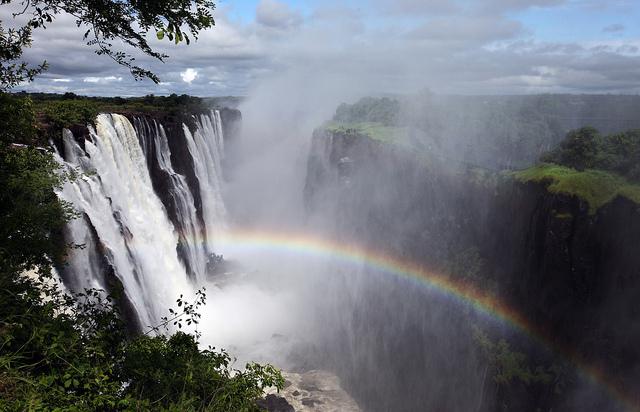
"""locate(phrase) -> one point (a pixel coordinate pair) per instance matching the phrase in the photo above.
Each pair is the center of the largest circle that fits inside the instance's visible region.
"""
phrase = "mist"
(394, 343)
(406, 132)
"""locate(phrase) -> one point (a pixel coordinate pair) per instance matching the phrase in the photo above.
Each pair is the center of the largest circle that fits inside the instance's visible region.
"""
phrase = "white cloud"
(189, 75)
(63, 80)
(106, 79)
(450, 46)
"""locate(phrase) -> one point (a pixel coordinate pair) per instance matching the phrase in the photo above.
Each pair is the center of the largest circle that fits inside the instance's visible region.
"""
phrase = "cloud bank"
(382, 46)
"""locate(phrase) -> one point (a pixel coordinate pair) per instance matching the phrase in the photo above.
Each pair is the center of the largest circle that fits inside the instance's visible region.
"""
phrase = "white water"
(135, 234)
(189, 227)
(139, 242)
(205, 146)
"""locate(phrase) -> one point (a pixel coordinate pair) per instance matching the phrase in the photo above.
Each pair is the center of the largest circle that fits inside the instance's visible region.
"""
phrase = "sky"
(378, 46)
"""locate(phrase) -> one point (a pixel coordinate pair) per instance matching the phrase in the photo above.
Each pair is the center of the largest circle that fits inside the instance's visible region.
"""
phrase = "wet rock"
(317, 391)
(274, 403)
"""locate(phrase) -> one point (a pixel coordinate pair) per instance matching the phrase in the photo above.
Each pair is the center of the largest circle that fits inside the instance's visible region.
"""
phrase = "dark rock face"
(274, 403)
(147, 129)
(181, 159)
(574, 274)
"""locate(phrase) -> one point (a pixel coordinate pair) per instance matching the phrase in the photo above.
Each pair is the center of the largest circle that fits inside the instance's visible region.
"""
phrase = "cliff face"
(574, 273)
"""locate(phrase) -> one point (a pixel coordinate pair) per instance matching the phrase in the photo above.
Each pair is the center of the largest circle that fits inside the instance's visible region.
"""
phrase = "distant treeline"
(56, 111)
(503, 131)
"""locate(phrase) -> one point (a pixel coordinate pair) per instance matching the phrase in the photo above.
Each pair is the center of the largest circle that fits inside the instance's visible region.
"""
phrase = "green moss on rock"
(596, 187)
(373, 130)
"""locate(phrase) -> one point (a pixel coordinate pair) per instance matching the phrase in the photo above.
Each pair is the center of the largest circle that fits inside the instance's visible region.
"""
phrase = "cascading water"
(194, 253)
(126, 221)
(205, 145)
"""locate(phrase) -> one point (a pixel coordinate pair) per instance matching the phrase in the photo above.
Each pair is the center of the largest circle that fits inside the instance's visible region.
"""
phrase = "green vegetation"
(509, 365)
(104, 23)
(17, 120)
(147, 104)
(72, 352)
(508, 131)
(375, 118)
(62, 106)
(369, 110)
(57, 111)
(372, 130)
(592, 167)
(596, 187)
(66, 113)
(64, 352)
(586, 149)
(562, 215)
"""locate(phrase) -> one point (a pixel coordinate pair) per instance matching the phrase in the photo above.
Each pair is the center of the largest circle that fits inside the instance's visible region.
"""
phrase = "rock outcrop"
(311, 391)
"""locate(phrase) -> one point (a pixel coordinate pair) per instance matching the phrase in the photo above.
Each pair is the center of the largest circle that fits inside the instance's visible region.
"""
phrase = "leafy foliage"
(494, 131)
(63, 351)
(30, 212)
(369, 109)
(509, 365)
(593, 167)
(45, 102)
(65, 113)
(12, 44)
(17, 120)
(579, 150)
(71, 351)
(167, 371)
(586, 149)
(53, 112)
(106, 22)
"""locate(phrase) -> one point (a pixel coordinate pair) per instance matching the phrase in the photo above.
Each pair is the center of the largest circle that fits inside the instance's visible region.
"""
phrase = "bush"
(369, 109)
(586, 149)
(72, 352)
(579, 150)
(66, 113)
(17, 120)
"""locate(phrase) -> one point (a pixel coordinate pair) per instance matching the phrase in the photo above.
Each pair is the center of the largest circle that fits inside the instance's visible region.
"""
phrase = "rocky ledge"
(313, 391)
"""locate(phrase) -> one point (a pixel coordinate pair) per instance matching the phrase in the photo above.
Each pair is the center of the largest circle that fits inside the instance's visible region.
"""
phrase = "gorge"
(415, 277)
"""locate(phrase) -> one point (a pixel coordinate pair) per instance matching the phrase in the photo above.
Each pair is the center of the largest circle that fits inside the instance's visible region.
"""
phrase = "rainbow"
(483, 302)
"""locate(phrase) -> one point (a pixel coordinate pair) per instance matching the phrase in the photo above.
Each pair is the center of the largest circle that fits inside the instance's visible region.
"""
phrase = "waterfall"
(125, 228)
(205, 145)
(192, 251)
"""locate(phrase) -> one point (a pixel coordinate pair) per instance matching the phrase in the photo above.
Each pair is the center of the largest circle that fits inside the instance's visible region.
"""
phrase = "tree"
(104, 22)
(71, 352)
(579, 150)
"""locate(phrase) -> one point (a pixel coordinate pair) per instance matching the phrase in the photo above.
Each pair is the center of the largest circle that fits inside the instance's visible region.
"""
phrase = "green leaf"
(160, 34)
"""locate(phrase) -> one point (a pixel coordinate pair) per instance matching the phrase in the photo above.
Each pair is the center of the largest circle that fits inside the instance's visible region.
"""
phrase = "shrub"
(66, 113)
